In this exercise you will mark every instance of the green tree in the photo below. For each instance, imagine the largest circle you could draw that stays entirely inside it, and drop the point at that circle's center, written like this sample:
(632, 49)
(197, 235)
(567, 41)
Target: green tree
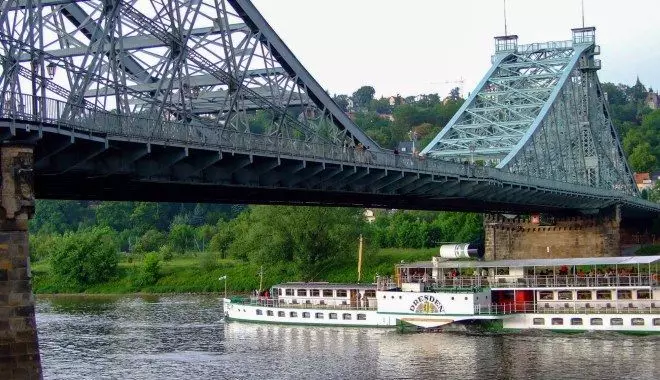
(151, 241)
(641, 159)
(311, 239)
(150, 272)
(115, 215)
(363, 96)
(654, 193)
(181, 237)
(85, 257)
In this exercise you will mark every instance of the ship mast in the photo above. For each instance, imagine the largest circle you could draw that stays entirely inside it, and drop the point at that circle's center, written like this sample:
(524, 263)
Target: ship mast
(360, 260)
(261, 278)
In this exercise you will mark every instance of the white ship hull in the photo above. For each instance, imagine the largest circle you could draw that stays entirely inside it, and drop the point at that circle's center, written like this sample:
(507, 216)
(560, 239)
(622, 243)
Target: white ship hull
(621, 322)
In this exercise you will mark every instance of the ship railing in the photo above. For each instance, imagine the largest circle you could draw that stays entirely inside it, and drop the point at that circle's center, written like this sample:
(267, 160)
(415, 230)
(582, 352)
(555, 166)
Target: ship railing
(535, 281)
(566, 308)
(276, 303)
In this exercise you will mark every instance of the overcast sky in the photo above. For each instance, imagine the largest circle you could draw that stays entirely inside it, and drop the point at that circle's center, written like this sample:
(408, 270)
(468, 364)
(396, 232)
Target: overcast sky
(415, 46)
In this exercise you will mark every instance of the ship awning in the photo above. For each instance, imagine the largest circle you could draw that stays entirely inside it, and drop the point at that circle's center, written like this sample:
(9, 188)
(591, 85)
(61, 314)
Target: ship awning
(612, 261)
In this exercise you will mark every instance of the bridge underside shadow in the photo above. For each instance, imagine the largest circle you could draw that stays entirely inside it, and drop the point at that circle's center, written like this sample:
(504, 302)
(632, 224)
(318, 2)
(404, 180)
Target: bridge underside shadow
(73, 165)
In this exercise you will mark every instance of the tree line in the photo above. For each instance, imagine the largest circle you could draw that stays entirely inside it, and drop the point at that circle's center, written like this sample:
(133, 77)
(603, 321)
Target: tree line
(84, 242)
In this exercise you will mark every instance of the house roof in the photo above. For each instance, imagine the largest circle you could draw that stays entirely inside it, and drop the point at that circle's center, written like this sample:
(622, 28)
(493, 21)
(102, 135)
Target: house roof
(641, 177)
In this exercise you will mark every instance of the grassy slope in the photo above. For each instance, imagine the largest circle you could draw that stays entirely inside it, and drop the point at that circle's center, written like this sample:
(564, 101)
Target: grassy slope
(186, 275)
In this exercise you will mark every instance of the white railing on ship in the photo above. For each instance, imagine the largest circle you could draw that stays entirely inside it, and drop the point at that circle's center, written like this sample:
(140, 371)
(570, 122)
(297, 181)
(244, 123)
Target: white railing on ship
(276, 303)
(539, 281)
(571, 307)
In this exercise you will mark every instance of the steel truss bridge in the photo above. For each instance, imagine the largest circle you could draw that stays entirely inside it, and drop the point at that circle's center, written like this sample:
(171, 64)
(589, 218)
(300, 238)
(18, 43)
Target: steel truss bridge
(200, 100)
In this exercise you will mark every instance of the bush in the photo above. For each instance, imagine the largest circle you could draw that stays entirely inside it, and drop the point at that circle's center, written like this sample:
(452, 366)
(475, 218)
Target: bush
(150, 269)
(166, 252)
(86, 257)
(150, 241)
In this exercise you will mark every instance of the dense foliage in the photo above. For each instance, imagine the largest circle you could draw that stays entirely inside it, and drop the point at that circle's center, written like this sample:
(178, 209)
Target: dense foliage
(86, 257)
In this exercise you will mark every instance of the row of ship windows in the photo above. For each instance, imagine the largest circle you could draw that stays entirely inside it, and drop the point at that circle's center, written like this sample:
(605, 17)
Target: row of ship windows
(595, 321)
(326, 293)
(306, 314)
(600, 295)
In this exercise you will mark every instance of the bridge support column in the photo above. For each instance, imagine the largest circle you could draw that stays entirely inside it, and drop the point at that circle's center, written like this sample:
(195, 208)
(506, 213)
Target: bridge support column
(523, 237)
(19, 348)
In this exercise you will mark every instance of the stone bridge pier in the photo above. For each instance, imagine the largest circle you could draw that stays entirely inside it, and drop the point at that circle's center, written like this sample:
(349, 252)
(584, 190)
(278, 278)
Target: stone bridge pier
(19, 348)
(544, 236)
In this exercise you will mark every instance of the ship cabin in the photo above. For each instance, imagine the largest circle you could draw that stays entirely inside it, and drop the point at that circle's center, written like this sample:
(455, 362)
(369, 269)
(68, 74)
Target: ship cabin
(315, 294)
(618, 283)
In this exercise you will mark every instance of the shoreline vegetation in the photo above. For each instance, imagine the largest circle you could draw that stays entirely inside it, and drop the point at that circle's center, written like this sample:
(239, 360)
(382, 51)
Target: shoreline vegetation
(188, 275)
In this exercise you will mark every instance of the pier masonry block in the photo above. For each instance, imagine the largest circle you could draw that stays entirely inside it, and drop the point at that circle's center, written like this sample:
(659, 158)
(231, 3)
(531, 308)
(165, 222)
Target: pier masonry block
(521, 237)
(19, 347)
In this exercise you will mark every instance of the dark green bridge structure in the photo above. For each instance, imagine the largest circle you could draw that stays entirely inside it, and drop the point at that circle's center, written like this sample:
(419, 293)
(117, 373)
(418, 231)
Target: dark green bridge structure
(157, 101)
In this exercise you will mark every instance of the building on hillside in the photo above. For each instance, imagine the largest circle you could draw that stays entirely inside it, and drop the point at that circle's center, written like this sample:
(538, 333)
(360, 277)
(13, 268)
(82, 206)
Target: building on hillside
(643, 181)
(405, 147)
(652, 100)
(369, 216)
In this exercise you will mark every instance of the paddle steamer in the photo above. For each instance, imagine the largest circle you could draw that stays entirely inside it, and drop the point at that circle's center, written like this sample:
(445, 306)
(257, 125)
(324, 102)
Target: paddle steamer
(454, 290)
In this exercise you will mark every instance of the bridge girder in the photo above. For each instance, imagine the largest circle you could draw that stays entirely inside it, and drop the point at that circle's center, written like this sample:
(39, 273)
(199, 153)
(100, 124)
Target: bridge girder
(540, 111)
(203, 62)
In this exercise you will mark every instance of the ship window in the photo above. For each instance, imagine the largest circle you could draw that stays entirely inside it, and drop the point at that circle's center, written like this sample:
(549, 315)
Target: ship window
(260, 312)
(332, 316)
(305, 314)
(596, 321)
(288, 292)
(623, 294)
(565, 295)
(315, 292)
(584, 294)
(318, 315)
(293, 314)
(502, 271)
(280, 314)
(370, 293)
(643, 295)
(616, 321)
(656, 321)
(269, 313)
(362, 317)
(637, 321)
(346, 316)
(452, 298)
(603, 295)
(576, 321)
(302, 292)
(557, 321)
(546, 295)
(279, 291)
(327, 292)
(539, 321)
(341, 293)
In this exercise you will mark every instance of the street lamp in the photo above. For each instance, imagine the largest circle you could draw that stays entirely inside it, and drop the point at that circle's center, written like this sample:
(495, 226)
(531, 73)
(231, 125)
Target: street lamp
(50, 69)
(225, 280)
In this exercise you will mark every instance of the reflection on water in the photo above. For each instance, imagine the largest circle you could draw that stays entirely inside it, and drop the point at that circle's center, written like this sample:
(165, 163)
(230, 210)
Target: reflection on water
(184, 337)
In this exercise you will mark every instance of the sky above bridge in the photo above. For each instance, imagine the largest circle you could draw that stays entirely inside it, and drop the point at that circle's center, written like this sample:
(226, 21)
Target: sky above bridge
(426, 46)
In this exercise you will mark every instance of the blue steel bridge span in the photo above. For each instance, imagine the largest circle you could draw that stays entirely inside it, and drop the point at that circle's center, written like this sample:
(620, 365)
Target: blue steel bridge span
(145, 100)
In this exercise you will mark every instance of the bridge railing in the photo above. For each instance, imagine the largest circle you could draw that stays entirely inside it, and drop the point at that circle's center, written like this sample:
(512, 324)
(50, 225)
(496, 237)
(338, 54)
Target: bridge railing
(84, 119)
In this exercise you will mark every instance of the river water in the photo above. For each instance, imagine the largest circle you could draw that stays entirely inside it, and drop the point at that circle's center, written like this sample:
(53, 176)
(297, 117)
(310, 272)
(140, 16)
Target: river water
(184, 337)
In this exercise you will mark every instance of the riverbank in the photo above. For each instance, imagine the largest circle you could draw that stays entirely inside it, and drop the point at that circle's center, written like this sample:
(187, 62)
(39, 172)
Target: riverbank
(195, 274)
